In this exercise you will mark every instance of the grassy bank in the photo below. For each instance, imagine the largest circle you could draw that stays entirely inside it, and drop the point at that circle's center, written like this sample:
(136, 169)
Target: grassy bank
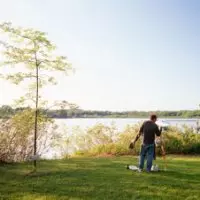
(101, 178)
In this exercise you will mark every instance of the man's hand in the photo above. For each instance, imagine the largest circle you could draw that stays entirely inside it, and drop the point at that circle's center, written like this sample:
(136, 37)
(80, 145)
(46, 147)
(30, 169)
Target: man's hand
(132, 145)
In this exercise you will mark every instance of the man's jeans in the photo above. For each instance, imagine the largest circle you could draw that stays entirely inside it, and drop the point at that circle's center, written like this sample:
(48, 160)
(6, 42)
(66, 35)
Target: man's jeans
(146, 151)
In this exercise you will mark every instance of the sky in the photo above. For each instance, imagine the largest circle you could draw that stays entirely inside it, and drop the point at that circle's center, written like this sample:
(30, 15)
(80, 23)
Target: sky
(128, 54)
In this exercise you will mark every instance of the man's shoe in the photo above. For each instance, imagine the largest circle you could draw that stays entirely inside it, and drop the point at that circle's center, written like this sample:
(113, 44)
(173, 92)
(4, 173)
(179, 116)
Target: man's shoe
(139, 170)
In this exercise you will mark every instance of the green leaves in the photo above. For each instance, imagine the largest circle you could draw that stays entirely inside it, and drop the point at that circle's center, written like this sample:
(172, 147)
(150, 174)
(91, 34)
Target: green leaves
(18, 77)
(29, 51)
(32, 48)
(52, 80)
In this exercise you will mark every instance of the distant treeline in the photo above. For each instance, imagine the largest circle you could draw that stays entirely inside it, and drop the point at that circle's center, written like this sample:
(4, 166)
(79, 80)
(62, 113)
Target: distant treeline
(7, 111)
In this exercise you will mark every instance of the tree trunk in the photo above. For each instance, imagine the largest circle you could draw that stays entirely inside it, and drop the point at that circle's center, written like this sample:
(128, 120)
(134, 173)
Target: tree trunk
(36, 116)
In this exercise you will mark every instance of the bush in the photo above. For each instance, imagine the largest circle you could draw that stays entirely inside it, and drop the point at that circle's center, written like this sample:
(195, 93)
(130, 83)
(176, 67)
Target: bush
(16, 136)
(97, 141)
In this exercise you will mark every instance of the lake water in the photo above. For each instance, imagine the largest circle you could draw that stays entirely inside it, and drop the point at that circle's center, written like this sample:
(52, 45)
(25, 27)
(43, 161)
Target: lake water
(120, 124)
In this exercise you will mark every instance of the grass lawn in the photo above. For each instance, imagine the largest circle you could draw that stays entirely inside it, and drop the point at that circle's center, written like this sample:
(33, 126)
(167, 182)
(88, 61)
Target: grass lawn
(101, 178)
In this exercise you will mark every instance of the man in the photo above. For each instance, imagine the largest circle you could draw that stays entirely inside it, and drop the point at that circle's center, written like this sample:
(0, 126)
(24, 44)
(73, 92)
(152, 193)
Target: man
(148, 129)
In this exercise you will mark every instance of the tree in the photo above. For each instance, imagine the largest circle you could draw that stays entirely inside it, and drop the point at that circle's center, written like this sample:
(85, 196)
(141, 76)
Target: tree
(6, 111)
(34, 55)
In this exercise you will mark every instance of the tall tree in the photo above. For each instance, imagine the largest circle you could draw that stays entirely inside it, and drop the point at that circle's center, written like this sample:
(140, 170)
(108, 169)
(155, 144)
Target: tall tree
(33, 57)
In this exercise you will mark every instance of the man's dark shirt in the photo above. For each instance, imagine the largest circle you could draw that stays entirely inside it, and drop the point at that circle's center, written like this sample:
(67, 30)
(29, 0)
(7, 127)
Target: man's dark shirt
(149, 129)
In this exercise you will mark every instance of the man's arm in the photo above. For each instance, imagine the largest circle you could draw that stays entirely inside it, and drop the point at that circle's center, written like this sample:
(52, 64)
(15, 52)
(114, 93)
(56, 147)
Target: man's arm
(131, 146)
(158, 131)
(137, 137)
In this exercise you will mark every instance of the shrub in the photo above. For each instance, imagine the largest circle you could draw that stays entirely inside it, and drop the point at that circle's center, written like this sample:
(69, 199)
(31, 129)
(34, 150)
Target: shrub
(97, 141)
(16, 136)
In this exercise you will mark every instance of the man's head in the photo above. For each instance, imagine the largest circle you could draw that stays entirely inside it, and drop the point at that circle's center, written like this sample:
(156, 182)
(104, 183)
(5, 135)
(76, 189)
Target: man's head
(153, 118)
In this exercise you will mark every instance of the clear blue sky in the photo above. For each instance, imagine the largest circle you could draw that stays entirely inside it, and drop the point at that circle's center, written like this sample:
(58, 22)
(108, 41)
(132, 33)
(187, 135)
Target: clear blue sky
(129, 55)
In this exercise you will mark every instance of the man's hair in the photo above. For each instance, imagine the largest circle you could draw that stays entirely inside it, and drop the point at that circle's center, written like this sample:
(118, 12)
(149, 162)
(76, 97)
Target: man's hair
(153, 117)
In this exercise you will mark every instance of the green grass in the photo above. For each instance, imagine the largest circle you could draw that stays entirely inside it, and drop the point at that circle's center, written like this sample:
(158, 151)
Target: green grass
(101, 178)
